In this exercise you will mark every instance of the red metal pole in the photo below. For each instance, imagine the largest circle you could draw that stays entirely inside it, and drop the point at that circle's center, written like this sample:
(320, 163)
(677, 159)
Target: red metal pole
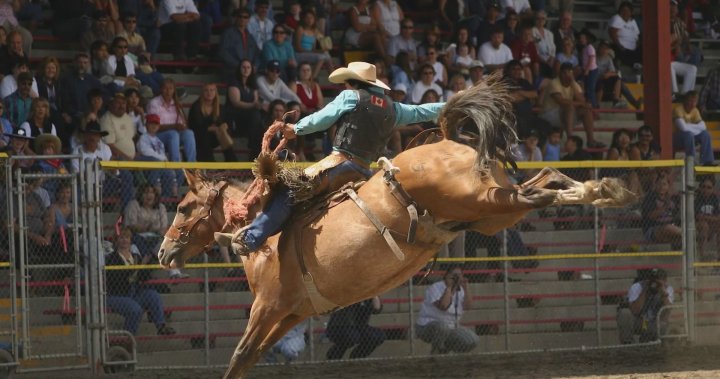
(656, 72)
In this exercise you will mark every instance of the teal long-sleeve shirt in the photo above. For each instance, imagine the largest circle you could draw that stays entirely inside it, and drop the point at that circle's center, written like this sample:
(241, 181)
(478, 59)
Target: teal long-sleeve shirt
(346, 102)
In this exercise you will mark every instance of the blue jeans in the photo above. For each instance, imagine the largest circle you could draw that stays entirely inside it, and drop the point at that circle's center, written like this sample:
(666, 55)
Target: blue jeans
(687, 141)
(590, 85)
(152, 80)
(278, 210)
(133, 306)
(165, 177)
(367, 339)
(172, 140)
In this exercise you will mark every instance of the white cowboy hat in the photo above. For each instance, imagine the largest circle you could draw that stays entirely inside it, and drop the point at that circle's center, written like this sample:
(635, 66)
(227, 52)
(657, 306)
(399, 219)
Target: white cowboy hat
(364, 72)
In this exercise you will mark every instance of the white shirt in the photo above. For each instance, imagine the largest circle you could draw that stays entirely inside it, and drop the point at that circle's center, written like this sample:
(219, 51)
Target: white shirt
(398, 44)
(102, 153)
(519, 6)
(151, 146)
(111, 66)
(628, 32)
(278, 90)
(636, 289)
(419, 90)
(9, 85)
(260, 30)
(26, 127)
(429, 312)
(171, 7)
(545, 45)
(389, 17)
(492, 56)
(439, 71)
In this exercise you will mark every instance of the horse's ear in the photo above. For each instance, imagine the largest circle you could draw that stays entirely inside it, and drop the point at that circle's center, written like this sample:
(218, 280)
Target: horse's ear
(193, 179)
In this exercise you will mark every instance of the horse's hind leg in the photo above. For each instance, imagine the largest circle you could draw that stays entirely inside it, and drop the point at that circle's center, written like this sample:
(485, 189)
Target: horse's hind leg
(263, 320)
(550, 178)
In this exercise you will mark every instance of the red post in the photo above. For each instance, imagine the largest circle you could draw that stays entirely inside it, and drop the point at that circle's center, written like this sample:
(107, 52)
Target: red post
(656, 72)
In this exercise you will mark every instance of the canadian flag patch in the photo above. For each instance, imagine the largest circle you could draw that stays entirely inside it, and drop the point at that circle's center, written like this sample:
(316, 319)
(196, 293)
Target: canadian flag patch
(377, 101)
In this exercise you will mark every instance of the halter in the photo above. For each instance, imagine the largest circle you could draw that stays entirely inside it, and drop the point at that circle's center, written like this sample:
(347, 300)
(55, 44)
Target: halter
(180, 234)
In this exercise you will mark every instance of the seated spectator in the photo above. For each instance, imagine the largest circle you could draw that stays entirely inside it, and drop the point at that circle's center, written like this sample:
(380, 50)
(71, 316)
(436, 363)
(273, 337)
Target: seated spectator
(681, 48)
(99, 53)
(119, 182)
(574, 151)
(9, 83)
(489, 23)
(544, 41)
(271, 87)
(645, 148)
(477, 71)
(260, 26)
(527, 150)
(709, 99)
(120, 128)
(457, 84)
(179, 22)
(610, 86)
(308, 90)
(281, 50)
(94, 113)
(625, 36)
(551, 149)
(564, 29)
(638, 315)
(127, 293)
(349, 327)
(290, 346)
(8, 11)
(18, 145)
(462, 60)
(687, 72)
(211, 130)
(690, 129)
(660, 214)
(49, 144)
(427, 82)
(150, 148)
(307, 46)
(62, 211)
(441, 76)
(292, 17)
(451, 11)
(101, 30)
(519, 7)
(364, 32)
(135, 109)
(11, 53)
(244, 105)
(120, 66)
(145, 13)
(494, 54)
(439, 320)
(431, 39)
(70, 18)
(401, 71)
(405, 42)
(38, 121)
(77, 85)
(50, 88)
(5, 127)
(707, 217)
(17, 105)
(388, 15)
(40, 228)
(110, 7)
(621, 150)
(511, 28)
(236, 45)
(563, 102)
(135, 40)
(173, 125)
(524, 50)
(523, 96)
(568, 54)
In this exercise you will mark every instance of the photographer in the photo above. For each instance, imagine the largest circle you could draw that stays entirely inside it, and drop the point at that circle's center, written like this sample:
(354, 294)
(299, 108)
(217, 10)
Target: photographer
(639, 315)
(439, 320)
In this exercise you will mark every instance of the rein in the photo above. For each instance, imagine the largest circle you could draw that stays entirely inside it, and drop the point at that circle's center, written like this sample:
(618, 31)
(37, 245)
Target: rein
(180, 233)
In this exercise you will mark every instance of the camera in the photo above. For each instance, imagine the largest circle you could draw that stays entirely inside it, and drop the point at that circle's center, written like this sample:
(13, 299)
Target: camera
(456, 281)
(654, 284)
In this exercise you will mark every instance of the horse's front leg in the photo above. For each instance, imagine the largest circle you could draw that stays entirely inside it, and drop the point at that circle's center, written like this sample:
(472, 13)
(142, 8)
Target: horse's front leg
(606, 192)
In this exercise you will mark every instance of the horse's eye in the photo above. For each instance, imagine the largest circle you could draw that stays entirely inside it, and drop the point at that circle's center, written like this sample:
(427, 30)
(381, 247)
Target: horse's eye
(181, 210)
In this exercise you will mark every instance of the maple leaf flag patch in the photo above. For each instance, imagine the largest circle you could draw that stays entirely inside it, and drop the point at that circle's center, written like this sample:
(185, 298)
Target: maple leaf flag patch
(377, 101)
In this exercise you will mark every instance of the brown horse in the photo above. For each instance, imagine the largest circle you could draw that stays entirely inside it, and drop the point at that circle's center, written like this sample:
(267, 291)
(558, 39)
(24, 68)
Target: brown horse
(344, 258)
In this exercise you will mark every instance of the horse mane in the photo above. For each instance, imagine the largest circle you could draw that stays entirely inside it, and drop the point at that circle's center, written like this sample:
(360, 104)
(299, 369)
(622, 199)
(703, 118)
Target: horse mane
(487, 108)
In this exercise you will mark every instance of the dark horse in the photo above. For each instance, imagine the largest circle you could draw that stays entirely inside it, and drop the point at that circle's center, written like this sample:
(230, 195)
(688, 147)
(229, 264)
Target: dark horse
(338, 257)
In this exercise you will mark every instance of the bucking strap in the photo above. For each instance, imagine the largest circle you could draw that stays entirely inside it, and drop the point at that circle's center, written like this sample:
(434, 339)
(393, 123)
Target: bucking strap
(384, 231)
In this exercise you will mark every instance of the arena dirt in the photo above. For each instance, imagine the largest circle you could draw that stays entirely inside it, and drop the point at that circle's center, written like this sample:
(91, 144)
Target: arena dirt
(656, 362)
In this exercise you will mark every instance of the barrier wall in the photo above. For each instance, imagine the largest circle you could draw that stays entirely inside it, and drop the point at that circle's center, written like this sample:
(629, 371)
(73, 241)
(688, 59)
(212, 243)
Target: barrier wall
(553, 281)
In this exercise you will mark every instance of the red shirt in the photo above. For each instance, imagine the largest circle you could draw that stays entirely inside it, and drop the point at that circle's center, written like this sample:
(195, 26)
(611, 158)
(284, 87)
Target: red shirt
(521, 50)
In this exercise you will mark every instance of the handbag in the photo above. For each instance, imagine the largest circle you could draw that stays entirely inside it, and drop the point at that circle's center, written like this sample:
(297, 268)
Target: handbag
(326, 43)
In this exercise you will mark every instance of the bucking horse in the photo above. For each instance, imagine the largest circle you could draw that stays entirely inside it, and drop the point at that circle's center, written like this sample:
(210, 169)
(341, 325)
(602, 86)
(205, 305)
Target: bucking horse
(366, 239)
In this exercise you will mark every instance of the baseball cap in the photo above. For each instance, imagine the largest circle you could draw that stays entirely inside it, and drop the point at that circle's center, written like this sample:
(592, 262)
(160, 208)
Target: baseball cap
(476, 63)
(272, 65)
(400, 87)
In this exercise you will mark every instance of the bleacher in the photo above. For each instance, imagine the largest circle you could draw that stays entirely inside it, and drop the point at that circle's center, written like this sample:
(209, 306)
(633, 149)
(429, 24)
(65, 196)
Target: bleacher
(541, 304)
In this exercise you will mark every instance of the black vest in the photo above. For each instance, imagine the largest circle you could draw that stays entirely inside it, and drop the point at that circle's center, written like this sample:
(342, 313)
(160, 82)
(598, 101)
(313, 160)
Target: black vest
(366, 130)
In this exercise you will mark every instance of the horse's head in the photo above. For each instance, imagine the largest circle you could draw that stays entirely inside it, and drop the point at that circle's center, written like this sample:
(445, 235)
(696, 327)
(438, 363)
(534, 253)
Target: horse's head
(200, 214)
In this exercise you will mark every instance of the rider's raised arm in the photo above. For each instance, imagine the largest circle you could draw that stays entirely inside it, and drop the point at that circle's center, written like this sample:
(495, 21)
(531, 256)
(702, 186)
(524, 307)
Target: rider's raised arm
(328, 115)
(411, 114)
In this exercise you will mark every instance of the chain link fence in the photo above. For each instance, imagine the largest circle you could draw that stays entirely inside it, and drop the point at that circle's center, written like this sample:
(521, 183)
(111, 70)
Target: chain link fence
(557, 280)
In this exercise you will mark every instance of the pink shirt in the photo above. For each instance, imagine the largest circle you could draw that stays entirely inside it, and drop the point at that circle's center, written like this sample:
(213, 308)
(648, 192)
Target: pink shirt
(167, 111)
(588, 58)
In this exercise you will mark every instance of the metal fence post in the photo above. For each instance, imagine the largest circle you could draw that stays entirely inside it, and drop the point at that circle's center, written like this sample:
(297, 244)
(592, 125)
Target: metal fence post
(411, 316)
(206, 309)
(506, 290)
(689, 242)
(596, 261)
(95, 264)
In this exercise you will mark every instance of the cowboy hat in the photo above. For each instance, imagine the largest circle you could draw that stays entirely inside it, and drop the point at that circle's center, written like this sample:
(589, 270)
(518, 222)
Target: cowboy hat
(45, 138)
(364, 72)
(19, 133)
(93, 127)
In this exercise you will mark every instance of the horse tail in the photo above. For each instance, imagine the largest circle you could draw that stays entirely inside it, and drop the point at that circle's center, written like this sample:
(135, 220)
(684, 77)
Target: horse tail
(487, 108)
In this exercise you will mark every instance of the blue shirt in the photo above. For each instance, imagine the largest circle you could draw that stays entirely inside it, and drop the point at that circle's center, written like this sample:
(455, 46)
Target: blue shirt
(347, 100)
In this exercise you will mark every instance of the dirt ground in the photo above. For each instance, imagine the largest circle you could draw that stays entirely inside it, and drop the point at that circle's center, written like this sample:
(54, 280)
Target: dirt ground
(646, 363)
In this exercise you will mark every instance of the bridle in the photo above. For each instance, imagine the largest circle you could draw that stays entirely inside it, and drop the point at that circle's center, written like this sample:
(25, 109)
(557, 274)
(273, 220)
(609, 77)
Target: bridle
(180, 233)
